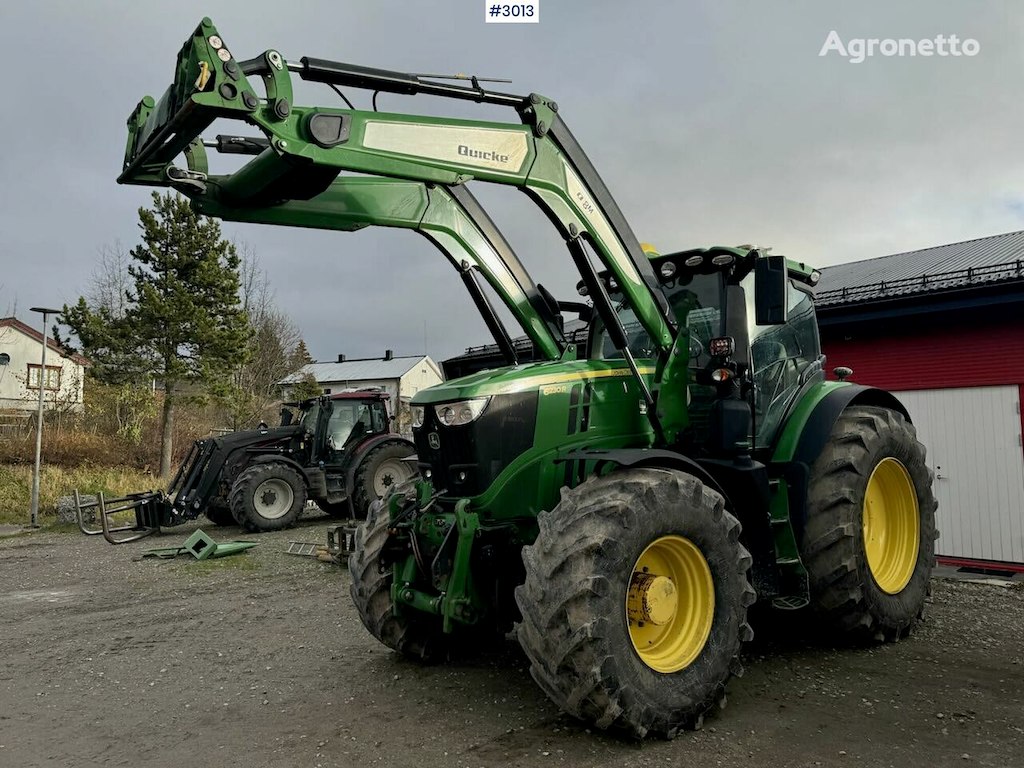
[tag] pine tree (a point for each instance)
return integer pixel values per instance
(301, 356)
(305, 388)
(183, 325)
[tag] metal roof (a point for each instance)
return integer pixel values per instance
(374, 369)
(967, 264)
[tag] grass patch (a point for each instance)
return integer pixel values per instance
(54, 482)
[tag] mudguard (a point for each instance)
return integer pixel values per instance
(807, 430)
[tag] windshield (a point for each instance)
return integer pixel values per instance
(348, 419)
(780, 356)
(696, 305)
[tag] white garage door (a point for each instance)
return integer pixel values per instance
(973, 437)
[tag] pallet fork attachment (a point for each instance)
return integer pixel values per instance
(148, 507)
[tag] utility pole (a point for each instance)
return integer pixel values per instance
(39, 418)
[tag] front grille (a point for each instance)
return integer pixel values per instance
(467, 459)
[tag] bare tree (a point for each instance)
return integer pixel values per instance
(110, 283)
(275, 346)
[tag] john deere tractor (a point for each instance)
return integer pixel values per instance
(621, 503)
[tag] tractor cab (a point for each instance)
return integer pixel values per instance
(331, 425)
(734, 349)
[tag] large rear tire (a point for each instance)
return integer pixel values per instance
(380, 472)
(413, 634)
(869, 540)
(268, 497)
(635, 601)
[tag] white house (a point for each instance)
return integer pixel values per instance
(21, 348)
(400, 377)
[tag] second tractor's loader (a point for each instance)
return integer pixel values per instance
(622, 502)
(337, 450)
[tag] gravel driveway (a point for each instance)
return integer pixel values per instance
(260, 660)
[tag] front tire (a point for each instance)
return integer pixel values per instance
(417, 636)
(869, 541)
(635, 600)
(268, 497)
(380, 472)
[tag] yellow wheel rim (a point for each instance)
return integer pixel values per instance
(670, 604)
(891, 525)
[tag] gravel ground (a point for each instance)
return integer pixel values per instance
(260, 660)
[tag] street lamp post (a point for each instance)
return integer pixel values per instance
(39, 418)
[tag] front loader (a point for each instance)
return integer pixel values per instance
(621, 502)
(340, 453)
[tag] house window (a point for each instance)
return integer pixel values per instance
(52, 376)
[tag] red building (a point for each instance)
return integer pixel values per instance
(943, 328)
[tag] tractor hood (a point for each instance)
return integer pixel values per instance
(525, 378)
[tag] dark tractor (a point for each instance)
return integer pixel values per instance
(337, 450)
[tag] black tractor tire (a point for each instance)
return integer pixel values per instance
(575, 630)
(339, 511)
(268, 497)
(414, 635)
(378, 459)
(220, 514)
(848, 603)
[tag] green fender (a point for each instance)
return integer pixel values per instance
(808, 427)
(807, 431)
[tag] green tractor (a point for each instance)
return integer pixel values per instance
(621, 503)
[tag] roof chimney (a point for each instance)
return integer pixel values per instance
(341, 358)
(389, 354)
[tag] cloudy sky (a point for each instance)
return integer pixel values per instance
(712, 121)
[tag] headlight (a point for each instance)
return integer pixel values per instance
(462, 412)
(417, 415)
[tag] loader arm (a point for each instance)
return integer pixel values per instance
(450, 218)
(305, 149)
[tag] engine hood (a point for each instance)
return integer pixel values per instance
(524, 378)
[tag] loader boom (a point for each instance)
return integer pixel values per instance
(307, 147)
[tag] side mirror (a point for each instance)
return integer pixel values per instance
(286, 417)
(770, 284)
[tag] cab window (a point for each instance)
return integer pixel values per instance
(780, 354)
